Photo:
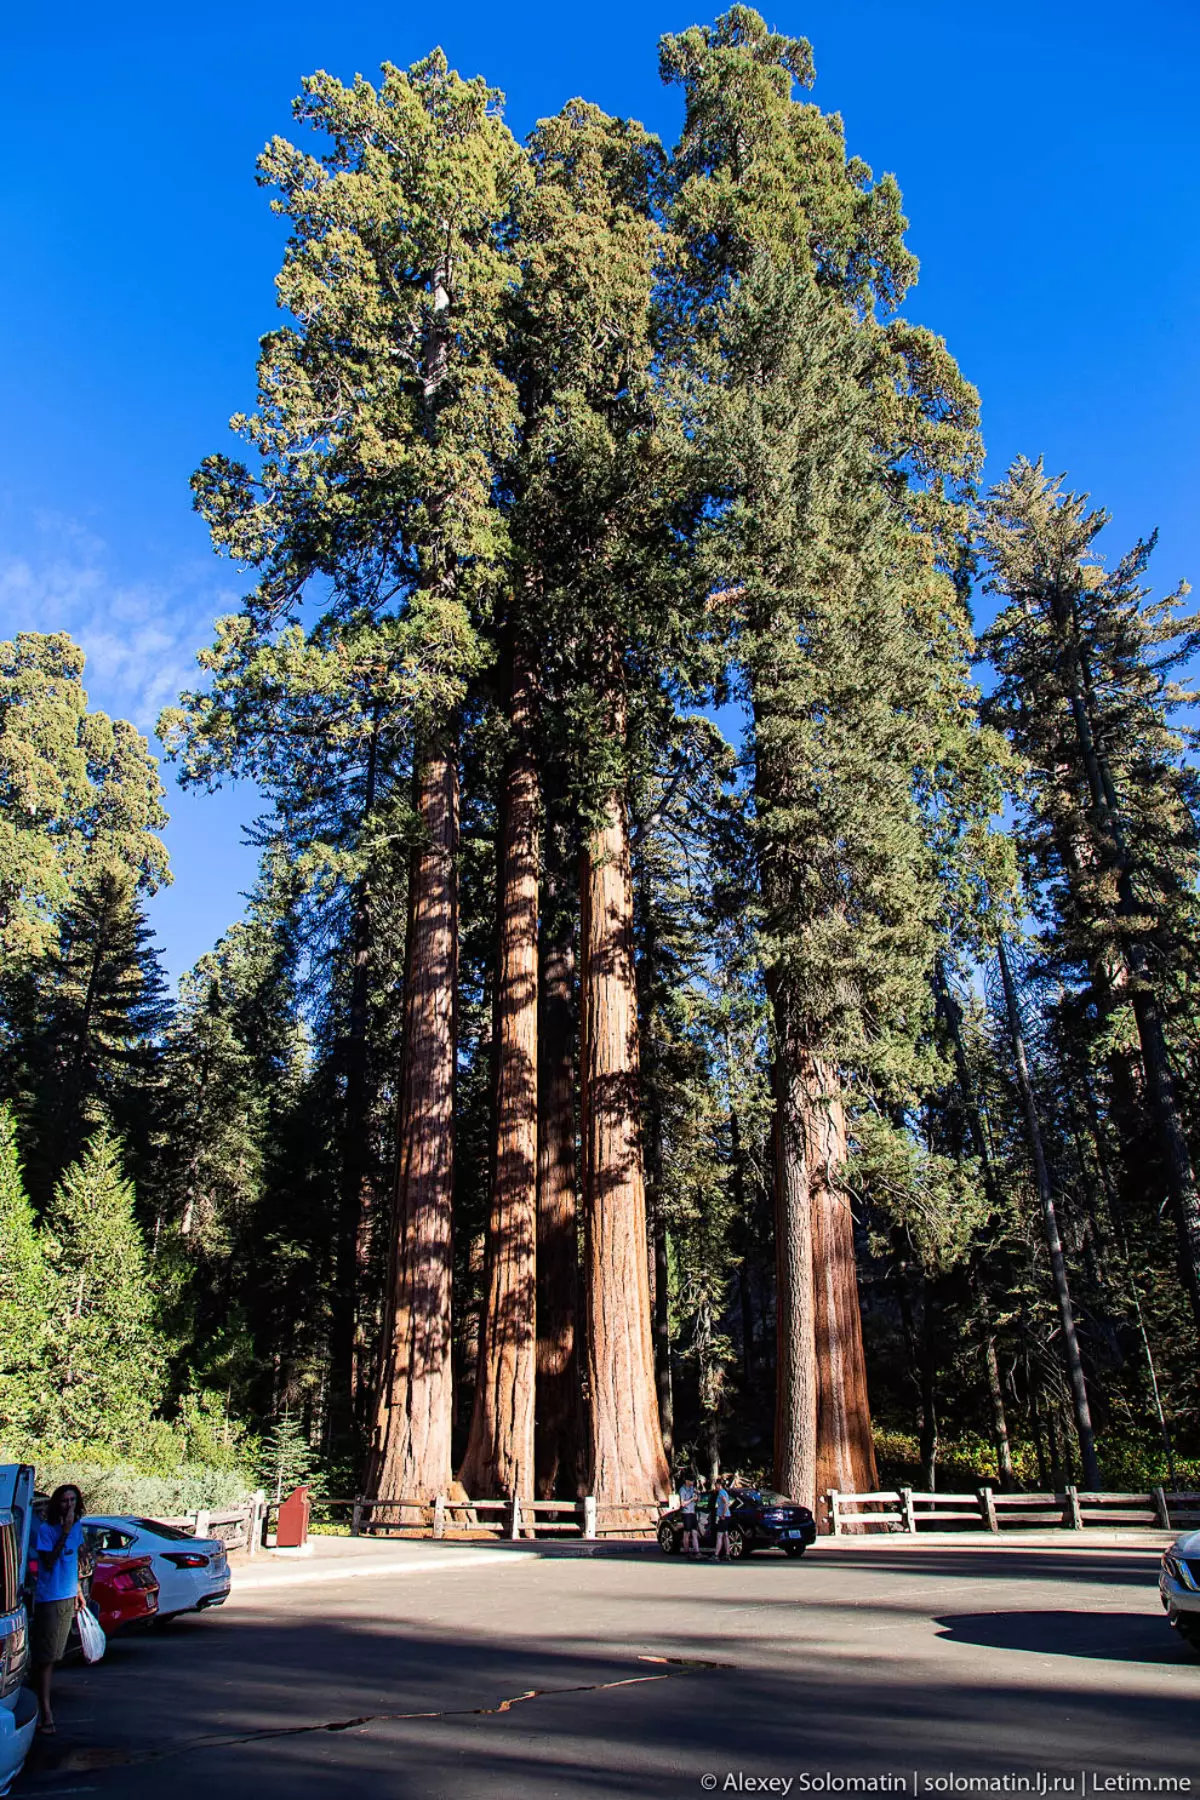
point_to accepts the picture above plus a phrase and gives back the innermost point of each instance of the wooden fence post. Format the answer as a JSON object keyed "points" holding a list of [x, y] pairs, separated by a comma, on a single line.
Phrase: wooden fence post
{"points": [[356, 1513], [987, 1507], [439, 1516], [909, 1510], [254, 1524], [514, 1529], [589, 1515], [835, 1523], [1072, 1512], [200, 1523]]}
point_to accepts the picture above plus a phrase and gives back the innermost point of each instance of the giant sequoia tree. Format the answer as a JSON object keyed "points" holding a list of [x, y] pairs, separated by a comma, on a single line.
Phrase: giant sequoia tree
{"points": [[381, 410], [823, 434], [609, 1034]]}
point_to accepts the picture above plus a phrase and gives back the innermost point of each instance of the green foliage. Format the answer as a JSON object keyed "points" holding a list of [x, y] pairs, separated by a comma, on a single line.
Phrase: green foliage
{"points": [[286, 1458], [108, 1357], [25, 1310], [78, 791], [88, 1047]]}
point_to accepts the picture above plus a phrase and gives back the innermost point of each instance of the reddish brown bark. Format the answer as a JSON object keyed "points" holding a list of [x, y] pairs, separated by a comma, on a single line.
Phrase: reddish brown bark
{"points": [[410, 1452], [626, 1462], [559, 1419], [845, 1447], [795, 1300], [500, 1448]]}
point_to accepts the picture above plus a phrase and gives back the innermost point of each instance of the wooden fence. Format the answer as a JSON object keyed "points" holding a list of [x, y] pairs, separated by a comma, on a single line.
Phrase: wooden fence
{"points": [[512, 1518], [1075, 1509], [238, 1527]]}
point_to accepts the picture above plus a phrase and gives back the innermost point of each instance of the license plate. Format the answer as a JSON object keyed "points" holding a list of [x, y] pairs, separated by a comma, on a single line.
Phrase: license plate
{"points": [[792, 1534]]}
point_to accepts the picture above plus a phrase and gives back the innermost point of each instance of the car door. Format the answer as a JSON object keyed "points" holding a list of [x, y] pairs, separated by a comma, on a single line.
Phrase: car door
{"points": [[704, 1519]]}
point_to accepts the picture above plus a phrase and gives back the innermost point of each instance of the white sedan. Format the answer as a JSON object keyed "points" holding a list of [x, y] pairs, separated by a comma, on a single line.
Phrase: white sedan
{"points": [[1179, 1586], [192, 1573]]}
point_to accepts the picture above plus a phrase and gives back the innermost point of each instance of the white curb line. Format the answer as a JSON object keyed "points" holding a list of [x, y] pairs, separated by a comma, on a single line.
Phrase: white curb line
{"points": [[304, 1577]]}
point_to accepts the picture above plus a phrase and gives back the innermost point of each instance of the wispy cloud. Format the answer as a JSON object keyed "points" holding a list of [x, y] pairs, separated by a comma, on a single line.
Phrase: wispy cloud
{"points": [[140, 636]]}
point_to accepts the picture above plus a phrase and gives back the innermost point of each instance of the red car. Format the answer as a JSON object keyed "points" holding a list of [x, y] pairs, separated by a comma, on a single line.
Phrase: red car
{"points": [[124, 1591]]}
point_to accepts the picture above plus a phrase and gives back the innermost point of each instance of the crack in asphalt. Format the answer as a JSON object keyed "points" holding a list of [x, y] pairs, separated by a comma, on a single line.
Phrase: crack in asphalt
{"points": [[79, 1761]]}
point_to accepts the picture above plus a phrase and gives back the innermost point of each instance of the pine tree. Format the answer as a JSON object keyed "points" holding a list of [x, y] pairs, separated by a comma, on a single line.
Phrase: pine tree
{"points": [[108, 1357], [25, 1308], [91, 1049], [286, 1458], [1111, 810]]}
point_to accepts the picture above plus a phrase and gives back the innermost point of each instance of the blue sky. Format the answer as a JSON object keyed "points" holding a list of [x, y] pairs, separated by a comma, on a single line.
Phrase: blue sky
{"points": [[1047, 156]]}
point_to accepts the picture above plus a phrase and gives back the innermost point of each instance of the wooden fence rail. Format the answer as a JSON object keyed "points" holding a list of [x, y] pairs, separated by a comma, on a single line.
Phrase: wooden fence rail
{"points": [[1075, 1509], [508, 1518]]}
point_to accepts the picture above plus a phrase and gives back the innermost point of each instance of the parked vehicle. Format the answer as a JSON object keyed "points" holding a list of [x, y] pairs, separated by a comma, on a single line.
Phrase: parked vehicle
{"points": [[192, 1573], [760, 1520], [1179, 1587], [18, 1708], [124, 1592]]}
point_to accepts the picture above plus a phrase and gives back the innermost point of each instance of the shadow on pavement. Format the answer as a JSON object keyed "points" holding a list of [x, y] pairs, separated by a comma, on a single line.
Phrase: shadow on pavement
{"points": [[1108, 1636], [254, 1705]]}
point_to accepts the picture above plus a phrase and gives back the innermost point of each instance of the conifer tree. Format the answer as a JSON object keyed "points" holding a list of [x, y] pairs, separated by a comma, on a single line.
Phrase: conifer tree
{"points": [[25, 1298], [108, 1357], [78, 790], [1111, 810], [91, 1049], [835, 447], [597, 488], [381, 412]]}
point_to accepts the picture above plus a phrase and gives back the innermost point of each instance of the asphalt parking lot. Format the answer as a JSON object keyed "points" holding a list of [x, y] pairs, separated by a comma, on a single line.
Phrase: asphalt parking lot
{"points": [[454, 1673]]}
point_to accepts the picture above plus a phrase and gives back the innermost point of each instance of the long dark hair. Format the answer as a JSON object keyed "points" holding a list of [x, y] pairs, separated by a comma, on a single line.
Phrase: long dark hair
{"points": [[56, 1515]]}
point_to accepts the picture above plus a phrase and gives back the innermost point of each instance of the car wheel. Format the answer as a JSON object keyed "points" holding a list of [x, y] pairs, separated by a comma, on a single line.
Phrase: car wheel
{"points": [[738, 1546], [1189, 1632], [669, 1540], [794, 1549]]}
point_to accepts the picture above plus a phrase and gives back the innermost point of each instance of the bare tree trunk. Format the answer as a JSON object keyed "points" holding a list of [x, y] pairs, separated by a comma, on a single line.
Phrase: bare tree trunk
{"points": [[410, 1454], [500, 1455], [845, 1446], [1058, 1265], [558, 1430], [1004, 1464], [626, 1461], [795, 1361]]}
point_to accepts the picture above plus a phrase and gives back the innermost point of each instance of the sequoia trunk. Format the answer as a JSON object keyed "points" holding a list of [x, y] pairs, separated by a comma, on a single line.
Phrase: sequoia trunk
{"points": [[559, 1419], [410, 1453], [500, 1447], [845, 1447], [626, 1462], [795, 1300]]}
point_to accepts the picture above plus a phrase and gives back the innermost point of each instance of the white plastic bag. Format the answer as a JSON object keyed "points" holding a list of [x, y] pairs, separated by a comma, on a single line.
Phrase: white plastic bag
{"points": [[91, 1634]]}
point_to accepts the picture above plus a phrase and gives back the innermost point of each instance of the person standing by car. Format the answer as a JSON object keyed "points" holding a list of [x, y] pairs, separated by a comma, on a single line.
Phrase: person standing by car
{"points": [[687, 1506], [56, 1597], [722, 1507]]}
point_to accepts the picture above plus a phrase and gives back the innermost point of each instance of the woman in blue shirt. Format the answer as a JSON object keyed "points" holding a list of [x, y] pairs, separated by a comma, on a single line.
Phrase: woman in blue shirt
{"points": [[56, 1544]]}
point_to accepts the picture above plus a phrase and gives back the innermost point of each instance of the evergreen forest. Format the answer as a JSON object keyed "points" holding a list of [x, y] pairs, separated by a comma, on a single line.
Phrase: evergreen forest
{"points": [[701, 1005]]}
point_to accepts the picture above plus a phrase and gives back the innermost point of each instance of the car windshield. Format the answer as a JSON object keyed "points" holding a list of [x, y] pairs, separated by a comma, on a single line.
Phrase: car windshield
{"points": [[766, 1496], [164, 1531]]}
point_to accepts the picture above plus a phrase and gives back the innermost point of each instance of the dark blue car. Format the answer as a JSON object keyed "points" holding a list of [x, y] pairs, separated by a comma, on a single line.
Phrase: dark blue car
{"points": [[760, 1520]]}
